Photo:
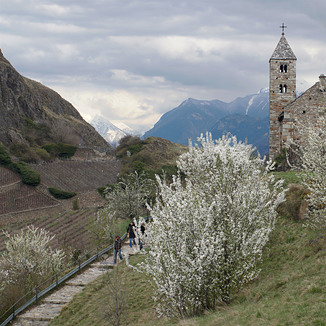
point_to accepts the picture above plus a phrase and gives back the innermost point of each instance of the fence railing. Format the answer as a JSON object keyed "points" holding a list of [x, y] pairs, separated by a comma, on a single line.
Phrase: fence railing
{"points": [[42, 289]]}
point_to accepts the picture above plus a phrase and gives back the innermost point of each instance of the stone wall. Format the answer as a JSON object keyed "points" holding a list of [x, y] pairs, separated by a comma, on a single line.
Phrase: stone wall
{"points": [[279, 98], [303, 111]]}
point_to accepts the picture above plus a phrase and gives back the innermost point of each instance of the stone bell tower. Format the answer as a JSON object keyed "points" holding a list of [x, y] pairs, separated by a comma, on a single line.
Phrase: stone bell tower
{"points": [[282, 90]]}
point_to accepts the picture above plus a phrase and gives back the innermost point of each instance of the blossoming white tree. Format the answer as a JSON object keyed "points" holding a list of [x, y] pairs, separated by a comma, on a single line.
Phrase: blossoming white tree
{"points": [[312, 155], [28, 260], [208, 231], [127, 198]]}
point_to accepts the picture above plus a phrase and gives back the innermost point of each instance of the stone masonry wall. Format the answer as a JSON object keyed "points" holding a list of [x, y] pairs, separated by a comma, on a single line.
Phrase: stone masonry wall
{"points": [[278, 100], [304, 110]]}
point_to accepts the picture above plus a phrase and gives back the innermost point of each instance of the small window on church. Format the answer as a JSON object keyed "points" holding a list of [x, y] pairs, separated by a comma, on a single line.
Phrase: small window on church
{"points": [[304, 111], [281, 68], [281, 88], [285, 68], [284, 88]]}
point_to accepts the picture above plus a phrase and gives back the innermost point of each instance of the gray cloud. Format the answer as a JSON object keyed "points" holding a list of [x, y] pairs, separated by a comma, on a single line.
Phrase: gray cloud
{"points": [[134, 60]]}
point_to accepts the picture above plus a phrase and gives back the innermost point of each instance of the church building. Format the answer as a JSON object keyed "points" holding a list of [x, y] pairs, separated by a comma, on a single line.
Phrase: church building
{"points": [[286, 111]]}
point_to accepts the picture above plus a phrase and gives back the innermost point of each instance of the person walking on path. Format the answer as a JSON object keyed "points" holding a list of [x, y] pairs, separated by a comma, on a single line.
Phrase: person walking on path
{"points": [[131, 234], [117, 248], [142, 230]]}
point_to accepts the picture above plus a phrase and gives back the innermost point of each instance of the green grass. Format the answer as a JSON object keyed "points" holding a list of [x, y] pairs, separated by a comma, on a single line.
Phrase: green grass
{"points": [[291, 290], [288, 177]]}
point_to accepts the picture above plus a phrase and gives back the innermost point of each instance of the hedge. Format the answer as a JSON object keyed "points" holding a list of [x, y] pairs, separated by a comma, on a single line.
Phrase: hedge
{"points": [[60, 149], [61, 194], [29, 176]]}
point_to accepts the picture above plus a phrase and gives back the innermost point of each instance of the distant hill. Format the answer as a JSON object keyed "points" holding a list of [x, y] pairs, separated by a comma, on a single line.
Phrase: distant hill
{"points": [[33, 115], [148, 155], [245, 117]]}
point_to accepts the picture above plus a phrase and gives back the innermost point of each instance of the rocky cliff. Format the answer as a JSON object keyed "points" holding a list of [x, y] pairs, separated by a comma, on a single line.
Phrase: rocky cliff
{"points": [[32, 114]]}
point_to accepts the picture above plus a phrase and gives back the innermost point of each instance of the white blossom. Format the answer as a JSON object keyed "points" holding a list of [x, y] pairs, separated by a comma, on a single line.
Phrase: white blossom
{"points": [[312, 154], [28, 256], [208, 230]]}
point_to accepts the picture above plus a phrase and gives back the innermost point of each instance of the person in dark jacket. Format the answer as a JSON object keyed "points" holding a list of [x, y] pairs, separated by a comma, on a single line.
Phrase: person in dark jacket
{"points": [[142, 230], [131, 234], [117, 248]]}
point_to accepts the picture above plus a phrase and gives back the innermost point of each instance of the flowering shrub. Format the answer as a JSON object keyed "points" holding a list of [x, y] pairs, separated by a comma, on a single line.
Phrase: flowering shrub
{"points": [[208, 231], [312, 154], [29, 259]]}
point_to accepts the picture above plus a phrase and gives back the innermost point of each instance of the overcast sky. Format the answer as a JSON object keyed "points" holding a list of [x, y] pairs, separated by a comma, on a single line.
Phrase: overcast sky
{"points": [[133, 60]]}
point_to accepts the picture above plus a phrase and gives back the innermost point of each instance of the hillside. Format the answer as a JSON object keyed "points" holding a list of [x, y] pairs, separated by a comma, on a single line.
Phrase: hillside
{"points": [[33, 115], [148, 155], [290, 290], [21, 205], [78, 176]]}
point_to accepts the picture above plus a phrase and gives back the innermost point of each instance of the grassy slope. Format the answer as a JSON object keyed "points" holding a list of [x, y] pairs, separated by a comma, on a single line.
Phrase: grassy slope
{"points": [[291, 290], [152, 153]]}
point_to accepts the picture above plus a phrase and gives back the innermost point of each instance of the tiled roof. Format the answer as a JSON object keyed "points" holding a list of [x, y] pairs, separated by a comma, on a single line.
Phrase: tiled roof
{"points": [[283, 50]]}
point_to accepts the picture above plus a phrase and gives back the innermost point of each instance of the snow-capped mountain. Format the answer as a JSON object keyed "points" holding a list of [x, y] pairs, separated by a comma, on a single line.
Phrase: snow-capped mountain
{"points": [[245, 117], [112, 133]]}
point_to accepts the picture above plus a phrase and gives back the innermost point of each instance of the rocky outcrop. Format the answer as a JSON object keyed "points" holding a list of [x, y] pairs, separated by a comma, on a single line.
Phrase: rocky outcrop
{"points": [[24, 101]]}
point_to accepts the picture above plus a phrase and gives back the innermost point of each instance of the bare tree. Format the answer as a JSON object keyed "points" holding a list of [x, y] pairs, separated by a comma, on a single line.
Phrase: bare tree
{"points": [[103, 226], [116, 299]]}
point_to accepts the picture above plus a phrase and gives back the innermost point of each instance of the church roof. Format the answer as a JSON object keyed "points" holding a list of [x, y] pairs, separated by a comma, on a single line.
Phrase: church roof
{"points": [[283, 50]]}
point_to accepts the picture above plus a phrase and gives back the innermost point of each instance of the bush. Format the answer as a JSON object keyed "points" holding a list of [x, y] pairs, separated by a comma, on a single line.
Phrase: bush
{"points": [[61, 194], [60, 149], [138, 166], [280, 161], [75, 205], [27, 261], [131, 144], [100, 190], [25, 153], [4, 156], [134, 149], [43, 154], [29, 176], [66, 150]]}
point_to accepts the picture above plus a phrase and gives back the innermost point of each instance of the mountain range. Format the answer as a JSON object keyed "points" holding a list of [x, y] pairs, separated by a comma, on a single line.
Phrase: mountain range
{"points": [[245, 117], [33, 115]]}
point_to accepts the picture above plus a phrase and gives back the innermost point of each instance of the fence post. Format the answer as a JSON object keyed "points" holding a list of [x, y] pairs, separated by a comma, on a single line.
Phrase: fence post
{"points": [[13, 311], [36, 294], [97, 252], [56, 279], [79, 264]]}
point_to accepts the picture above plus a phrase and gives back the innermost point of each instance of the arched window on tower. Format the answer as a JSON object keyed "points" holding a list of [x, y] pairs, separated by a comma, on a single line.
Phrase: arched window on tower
{"points": [[284, 88], [285, 68], [281, 68], [281, 88]]}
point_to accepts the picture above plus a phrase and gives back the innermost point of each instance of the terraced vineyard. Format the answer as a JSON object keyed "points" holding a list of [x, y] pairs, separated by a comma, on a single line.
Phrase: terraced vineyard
{"points": [[78, 176], [70, 228], [8, 177], [16, 196], [23, 197], [22, 205]]}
